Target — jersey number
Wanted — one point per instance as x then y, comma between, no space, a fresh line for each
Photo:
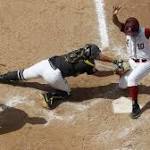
140,46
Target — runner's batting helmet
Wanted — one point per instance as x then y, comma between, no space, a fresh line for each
131,26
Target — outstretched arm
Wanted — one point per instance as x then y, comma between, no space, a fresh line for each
104,57
103,73
109,70
115,17
118,66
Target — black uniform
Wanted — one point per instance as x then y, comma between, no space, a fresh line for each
72,69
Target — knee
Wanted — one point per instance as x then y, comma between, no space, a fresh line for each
132,81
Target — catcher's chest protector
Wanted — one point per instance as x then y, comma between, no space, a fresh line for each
75,56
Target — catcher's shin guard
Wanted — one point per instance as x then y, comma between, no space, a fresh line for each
55,98
12,76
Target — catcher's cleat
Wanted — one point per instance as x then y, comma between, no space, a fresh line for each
53,99
136,111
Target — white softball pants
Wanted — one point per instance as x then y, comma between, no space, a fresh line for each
53,77
138,71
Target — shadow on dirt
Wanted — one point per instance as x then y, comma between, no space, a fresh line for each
79,94
146,107
12,119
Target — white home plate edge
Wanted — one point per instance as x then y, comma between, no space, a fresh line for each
122,105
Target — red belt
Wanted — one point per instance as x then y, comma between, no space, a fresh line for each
139,60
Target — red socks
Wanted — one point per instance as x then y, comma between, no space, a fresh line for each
133,93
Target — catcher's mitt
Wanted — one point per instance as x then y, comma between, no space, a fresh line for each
121,66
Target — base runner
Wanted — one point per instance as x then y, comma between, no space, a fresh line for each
138,47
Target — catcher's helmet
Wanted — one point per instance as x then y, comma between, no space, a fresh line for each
91,51
131,26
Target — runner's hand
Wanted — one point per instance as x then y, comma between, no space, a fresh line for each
116,10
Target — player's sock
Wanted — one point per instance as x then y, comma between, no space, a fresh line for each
133,93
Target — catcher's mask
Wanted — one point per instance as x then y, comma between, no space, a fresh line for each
91,51
131,26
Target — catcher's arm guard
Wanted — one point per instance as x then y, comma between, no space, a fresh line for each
121,66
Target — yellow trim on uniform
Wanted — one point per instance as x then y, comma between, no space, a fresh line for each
89,63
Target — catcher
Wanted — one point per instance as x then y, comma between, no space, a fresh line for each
55,69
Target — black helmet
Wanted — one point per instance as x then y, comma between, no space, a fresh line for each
91,51
131,26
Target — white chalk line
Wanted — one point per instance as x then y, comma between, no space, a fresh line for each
84,105
70,117
102,23
51,115
13,101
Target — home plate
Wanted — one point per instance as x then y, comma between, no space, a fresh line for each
122,105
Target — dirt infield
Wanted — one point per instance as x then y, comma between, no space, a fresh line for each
31,30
